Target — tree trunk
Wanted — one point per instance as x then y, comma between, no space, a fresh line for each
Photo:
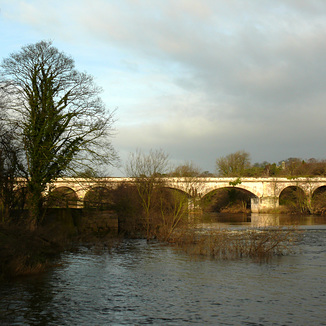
35,206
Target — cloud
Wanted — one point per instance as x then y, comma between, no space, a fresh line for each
200,79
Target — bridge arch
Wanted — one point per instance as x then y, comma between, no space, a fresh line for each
99,197
290,186
229,198
175,201
318,200
20,201
318,190
292,193
180,190
253,191
294,198
63,197
318,187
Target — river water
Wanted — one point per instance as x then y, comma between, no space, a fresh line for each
140,283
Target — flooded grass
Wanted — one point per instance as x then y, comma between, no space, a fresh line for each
259,244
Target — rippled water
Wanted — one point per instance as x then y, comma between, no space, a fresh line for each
137,283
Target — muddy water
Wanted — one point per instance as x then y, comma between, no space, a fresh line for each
137,283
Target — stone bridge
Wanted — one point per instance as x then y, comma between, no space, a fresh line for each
264,192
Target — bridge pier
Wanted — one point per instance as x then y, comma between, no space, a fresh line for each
194,206
264,203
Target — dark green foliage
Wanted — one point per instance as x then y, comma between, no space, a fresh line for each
10,170
238,165
58,116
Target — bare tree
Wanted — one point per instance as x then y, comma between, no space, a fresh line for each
152,165
148,170
188,169
58,115
10,162
163,209
191,174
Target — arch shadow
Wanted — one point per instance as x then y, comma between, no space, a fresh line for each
318,201
294,199
229,200
62,197
98,197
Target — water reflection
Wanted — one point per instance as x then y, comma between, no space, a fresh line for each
264,220
220,220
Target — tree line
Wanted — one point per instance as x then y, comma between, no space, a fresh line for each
239,164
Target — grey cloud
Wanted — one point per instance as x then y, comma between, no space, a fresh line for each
220,75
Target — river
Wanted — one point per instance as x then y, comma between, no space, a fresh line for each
140,283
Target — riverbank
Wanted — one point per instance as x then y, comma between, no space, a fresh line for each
23,252
26,252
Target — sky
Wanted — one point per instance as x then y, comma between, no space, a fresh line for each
196,79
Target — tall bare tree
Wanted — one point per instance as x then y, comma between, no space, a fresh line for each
57,114
190,173
163,209
10,162
147,171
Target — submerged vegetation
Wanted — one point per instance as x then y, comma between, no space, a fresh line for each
261,244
